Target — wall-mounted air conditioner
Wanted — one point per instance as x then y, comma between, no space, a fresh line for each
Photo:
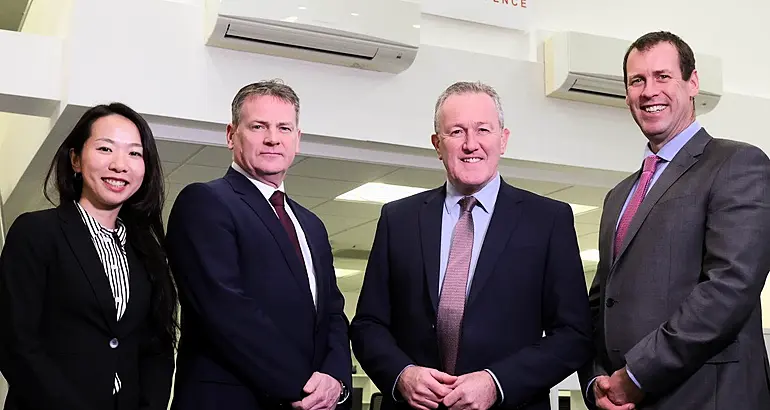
589,68
377,35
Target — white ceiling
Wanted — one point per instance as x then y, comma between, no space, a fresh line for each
315,182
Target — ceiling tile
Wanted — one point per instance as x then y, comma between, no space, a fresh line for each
421,178
352,209
169,167
360,237
173,151
317,187
187,174
308,201
585,229
590,217
582,195
340,170
590,241
538,187
210,156
336,224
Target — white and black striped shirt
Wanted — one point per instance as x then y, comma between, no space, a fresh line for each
111,247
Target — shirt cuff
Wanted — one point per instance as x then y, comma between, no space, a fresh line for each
591,397
393,393
497,383
633,379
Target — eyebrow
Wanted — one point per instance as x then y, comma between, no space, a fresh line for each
111,141
280,124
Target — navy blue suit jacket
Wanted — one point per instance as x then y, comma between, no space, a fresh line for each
528,280
251,337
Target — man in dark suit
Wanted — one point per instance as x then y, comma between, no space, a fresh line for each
263,323
685,251
464,280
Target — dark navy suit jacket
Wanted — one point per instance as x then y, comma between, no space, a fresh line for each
528,280
251,337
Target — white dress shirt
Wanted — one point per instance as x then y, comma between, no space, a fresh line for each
267,191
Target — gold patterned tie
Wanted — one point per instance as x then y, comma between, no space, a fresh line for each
451,306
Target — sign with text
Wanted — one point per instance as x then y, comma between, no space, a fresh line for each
514,14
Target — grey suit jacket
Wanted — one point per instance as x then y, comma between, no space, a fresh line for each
679,304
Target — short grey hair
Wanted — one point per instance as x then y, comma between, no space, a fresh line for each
273,88
464,87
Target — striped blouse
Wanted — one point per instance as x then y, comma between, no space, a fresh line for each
111,247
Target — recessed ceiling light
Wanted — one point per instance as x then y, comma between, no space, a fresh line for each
353,14
291,19
302,8
416,25
378,193
590,255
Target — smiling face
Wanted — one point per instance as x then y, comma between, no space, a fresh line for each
469,140
659,98
266,138
111,163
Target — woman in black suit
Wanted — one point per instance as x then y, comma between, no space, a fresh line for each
87,303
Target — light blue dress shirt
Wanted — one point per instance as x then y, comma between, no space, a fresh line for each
667,154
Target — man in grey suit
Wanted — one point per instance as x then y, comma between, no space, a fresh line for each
685,251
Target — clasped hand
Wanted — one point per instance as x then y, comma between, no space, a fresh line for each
425,388
616,392
323,393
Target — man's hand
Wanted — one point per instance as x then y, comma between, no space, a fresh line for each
472,391
601,389
424,388
323,393
622,389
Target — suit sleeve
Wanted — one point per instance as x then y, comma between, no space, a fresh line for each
736,261
203,254
36,379
156,371
337,363
373,344
566,318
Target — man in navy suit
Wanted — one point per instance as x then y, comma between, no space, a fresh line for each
263,325
474,295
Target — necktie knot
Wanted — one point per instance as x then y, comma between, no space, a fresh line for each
277,199
467,203
650,163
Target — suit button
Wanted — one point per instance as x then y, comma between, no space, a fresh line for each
611,302
114,343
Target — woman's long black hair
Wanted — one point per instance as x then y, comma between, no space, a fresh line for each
141,213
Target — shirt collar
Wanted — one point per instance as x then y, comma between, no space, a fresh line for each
669,151
486,197
266,190
96,230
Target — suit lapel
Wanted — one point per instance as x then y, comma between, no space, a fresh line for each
82,246
254,199
430,239
310,236
684,160
504,221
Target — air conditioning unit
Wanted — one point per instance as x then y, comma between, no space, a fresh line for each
377,35
589,68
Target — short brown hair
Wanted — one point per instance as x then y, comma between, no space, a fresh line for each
649,40
274,88
465,87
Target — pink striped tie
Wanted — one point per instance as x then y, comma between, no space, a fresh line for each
451,306
648,170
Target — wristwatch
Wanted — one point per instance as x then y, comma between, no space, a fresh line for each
344,392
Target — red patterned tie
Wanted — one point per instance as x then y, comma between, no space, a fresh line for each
648,170
451,305
277,200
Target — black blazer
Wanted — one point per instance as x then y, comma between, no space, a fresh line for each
528,280
251,337
58,317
